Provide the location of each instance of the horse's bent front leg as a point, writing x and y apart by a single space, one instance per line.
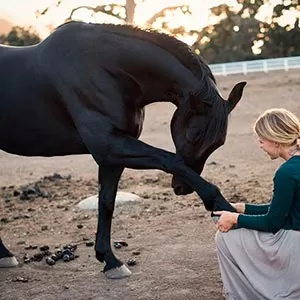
108 184
7 259
132 153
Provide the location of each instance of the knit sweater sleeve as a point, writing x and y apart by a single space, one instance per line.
256 209
282 200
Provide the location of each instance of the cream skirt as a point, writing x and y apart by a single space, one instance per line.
258 265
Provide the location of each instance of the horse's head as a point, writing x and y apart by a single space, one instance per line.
198 128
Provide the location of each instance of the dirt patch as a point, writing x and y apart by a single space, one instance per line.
171 237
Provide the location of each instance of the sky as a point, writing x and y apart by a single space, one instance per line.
22 12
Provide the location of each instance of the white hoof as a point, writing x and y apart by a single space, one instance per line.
8 262
118 273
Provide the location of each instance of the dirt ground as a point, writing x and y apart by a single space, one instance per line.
171 237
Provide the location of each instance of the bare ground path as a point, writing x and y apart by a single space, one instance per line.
173 235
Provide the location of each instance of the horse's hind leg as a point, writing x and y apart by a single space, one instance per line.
108 184
7 259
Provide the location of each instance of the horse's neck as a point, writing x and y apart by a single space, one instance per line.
170 88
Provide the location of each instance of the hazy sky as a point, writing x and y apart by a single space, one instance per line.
22 12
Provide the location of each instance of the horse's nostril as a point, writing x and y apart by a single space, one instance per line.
178 190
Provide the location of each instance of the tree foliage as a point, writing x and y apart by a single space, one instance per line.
230 39
239 32
19 36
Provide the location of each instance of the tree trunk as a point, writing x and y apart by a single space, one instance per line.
130 8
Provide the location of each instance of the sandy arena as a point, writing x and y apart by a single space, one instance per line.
171 237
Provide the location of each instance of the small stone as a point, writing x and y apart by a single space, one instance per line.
122 243
47 253
54 257
44 248
38 257
117 245
44 227
136 252
89 243
131 262
21 242
21 279
58 254
16 193
79 226
66 258
26 259
30 247
70 247
72 256
50 261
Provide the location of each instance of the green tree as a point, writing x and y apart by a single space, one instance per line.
280 41
19 36
236 34
230 39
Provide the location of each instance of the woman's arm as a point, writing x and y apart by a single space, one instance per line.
279 208
256 209
251 209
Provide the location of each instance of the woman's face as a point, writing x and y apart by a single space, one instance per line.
271 148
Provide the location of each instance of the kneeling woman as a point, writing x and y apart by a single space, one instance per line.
260 259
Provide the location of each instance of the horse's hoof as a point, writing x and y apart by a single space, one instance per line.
8 262
118 273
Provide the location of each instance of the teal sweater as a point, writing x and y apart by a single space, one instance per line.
283 212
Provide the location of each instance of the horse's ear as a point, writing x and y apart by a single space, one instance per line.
235 95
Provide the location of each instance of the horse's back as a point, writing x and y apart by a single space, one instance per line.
32 119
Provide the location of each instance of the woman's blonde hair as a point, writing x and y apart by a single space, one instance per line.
278 125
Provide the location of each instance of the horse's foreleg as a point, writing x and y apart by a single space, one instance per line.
7 259
108 184
132 153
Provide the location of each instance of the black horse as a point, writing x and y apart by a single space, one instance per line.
83 90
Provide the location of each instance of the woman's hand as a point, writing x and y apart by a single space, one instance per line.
227 220
240 207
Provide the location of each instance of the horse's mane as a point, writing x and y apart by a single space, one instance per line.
177 48
207 89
